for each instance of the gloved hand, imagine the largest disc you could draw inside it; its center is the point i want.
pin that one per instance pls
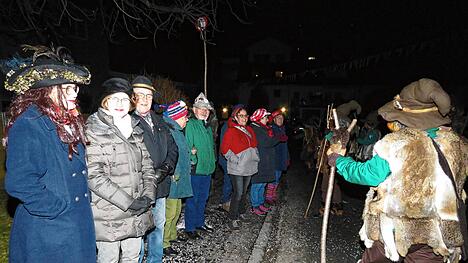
(340, 135)
(162, 172)
(140, 205)
(336, 150)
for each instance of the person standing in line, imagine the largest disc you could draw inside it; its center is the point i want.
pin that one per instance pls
(121, 176)
(281, 153)
(181, 187)
(240, 148)
(199, 139)
(266, 166)
(45, 166)
(227, 184)
(163, 152)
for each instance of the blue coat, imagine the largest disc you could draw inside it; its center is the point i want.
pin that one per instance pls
(281, 149)
(53, 222)
(181, 185)
(266, 152)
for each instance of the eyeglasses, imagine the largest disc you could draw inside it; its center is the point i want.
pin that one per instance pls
(116, 100)
(144, 96)
(69, 90)
(242, 116)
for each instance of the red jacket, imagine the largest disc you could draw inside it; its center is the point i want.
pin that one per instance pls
(239, 146)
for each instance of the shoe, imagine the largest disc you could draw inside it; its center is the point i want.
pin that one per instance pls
(169, 251)
(206, 228)
(257, 211)
(226, 206)
(244, 217)
(181, 238)
(264, 208)
(235, 224)
(193, 235)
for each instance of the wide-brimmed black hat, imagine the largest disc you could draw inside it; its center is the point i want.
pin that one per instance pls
(46, 67)
(115, 85)
(422, 104)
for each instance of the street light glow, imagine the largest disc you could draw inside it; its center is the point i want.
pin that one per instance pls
(225, 109)
(283, 109)
(311, 58)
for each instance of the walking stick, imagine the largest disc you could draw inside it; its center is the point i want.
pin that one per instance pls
(323, 145)
(323, 239)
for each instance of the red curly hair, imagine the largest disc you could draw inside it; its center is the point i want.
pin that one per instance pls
(58, 114)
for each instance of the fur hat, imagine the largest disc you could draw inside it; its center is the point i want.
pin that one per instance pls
(346, 108)
(115, 85)
(176, 110)
(202, 102)
(259, 114)
(422, 104)
(46, 67)
(143, 82)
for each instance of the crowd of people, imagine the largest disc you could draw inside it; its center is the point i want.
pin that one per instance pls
(112, 189)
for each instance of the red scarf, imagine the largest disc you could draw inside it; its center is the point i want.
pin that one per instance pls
(267, 128)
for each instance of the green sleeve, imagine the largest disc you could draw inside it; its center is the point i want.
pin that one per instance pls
(189, 135)
(371, 172)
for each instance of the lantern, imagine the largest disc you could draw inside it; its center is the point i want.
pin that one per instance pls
(202, 23)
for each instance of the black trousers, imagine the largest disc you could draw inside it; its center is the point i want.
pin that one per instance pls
(240, 184)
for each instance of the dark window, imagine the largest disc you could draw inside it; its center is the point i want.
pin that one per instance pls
(277, 93)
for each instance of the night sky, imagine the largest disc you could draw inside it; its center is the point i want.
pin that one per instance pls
(433, 36)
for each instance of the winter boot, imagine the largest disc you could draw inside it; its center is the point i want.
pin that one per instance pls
(235, 224)
(264, 208)
(275, 196)
(269, 194)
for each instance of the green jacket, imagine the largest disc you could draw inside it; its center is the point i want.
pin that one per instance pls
(201, 138)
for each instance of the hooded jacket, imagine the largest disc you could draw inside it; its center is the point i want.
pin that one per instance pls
(239, 146)
(266, 150)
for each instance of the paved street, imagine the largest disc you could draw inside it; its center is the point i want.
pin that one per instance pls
(284, 235)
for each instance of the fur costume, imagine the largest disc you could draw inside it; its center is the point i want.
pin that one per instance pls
(416, 204)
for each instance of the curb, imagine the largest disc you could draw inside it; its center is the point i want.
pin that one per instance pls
(258, 250)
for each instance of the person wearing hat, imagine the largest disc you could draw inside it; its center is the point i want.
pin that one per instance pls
(163, 152)
(199, 137)
(45, 159)
(239, 146)
(225, 202)
(181, 187)
(368, 136)
(418, 172)
(266, 167)
(121, 175)
(281, 155)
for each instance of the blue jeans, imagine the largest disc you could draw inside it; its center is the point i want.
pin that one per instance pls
(195, 205)
(277, 176)
(257, 194)
(227, 186)
(154, 238)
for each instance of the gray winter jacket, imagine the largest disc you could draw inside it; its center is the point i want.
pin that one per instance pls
(119, 171)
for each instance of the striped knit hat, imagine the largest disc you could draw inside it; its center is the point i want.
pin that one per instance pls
(259, 114)
(176, 110)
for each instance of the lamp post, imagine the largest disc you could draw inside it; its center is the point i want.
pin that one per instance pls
(202, 23)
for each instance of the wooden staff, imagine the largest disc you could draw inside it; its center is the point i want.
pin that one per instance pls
(323, 239)
(323, 146)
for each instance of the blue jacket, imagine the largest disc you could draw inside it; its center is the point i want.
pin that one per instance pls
(281, 149)
(181, 186)
(53, 222)
(266, 151)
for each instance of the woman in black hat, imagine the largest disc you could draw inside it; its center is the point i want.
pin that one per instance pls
(46, 168)
(121, 176)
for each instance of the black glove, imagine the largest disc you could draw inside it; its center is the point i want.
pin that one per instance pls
(332, 158)
(140, 205)
(162, 172)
